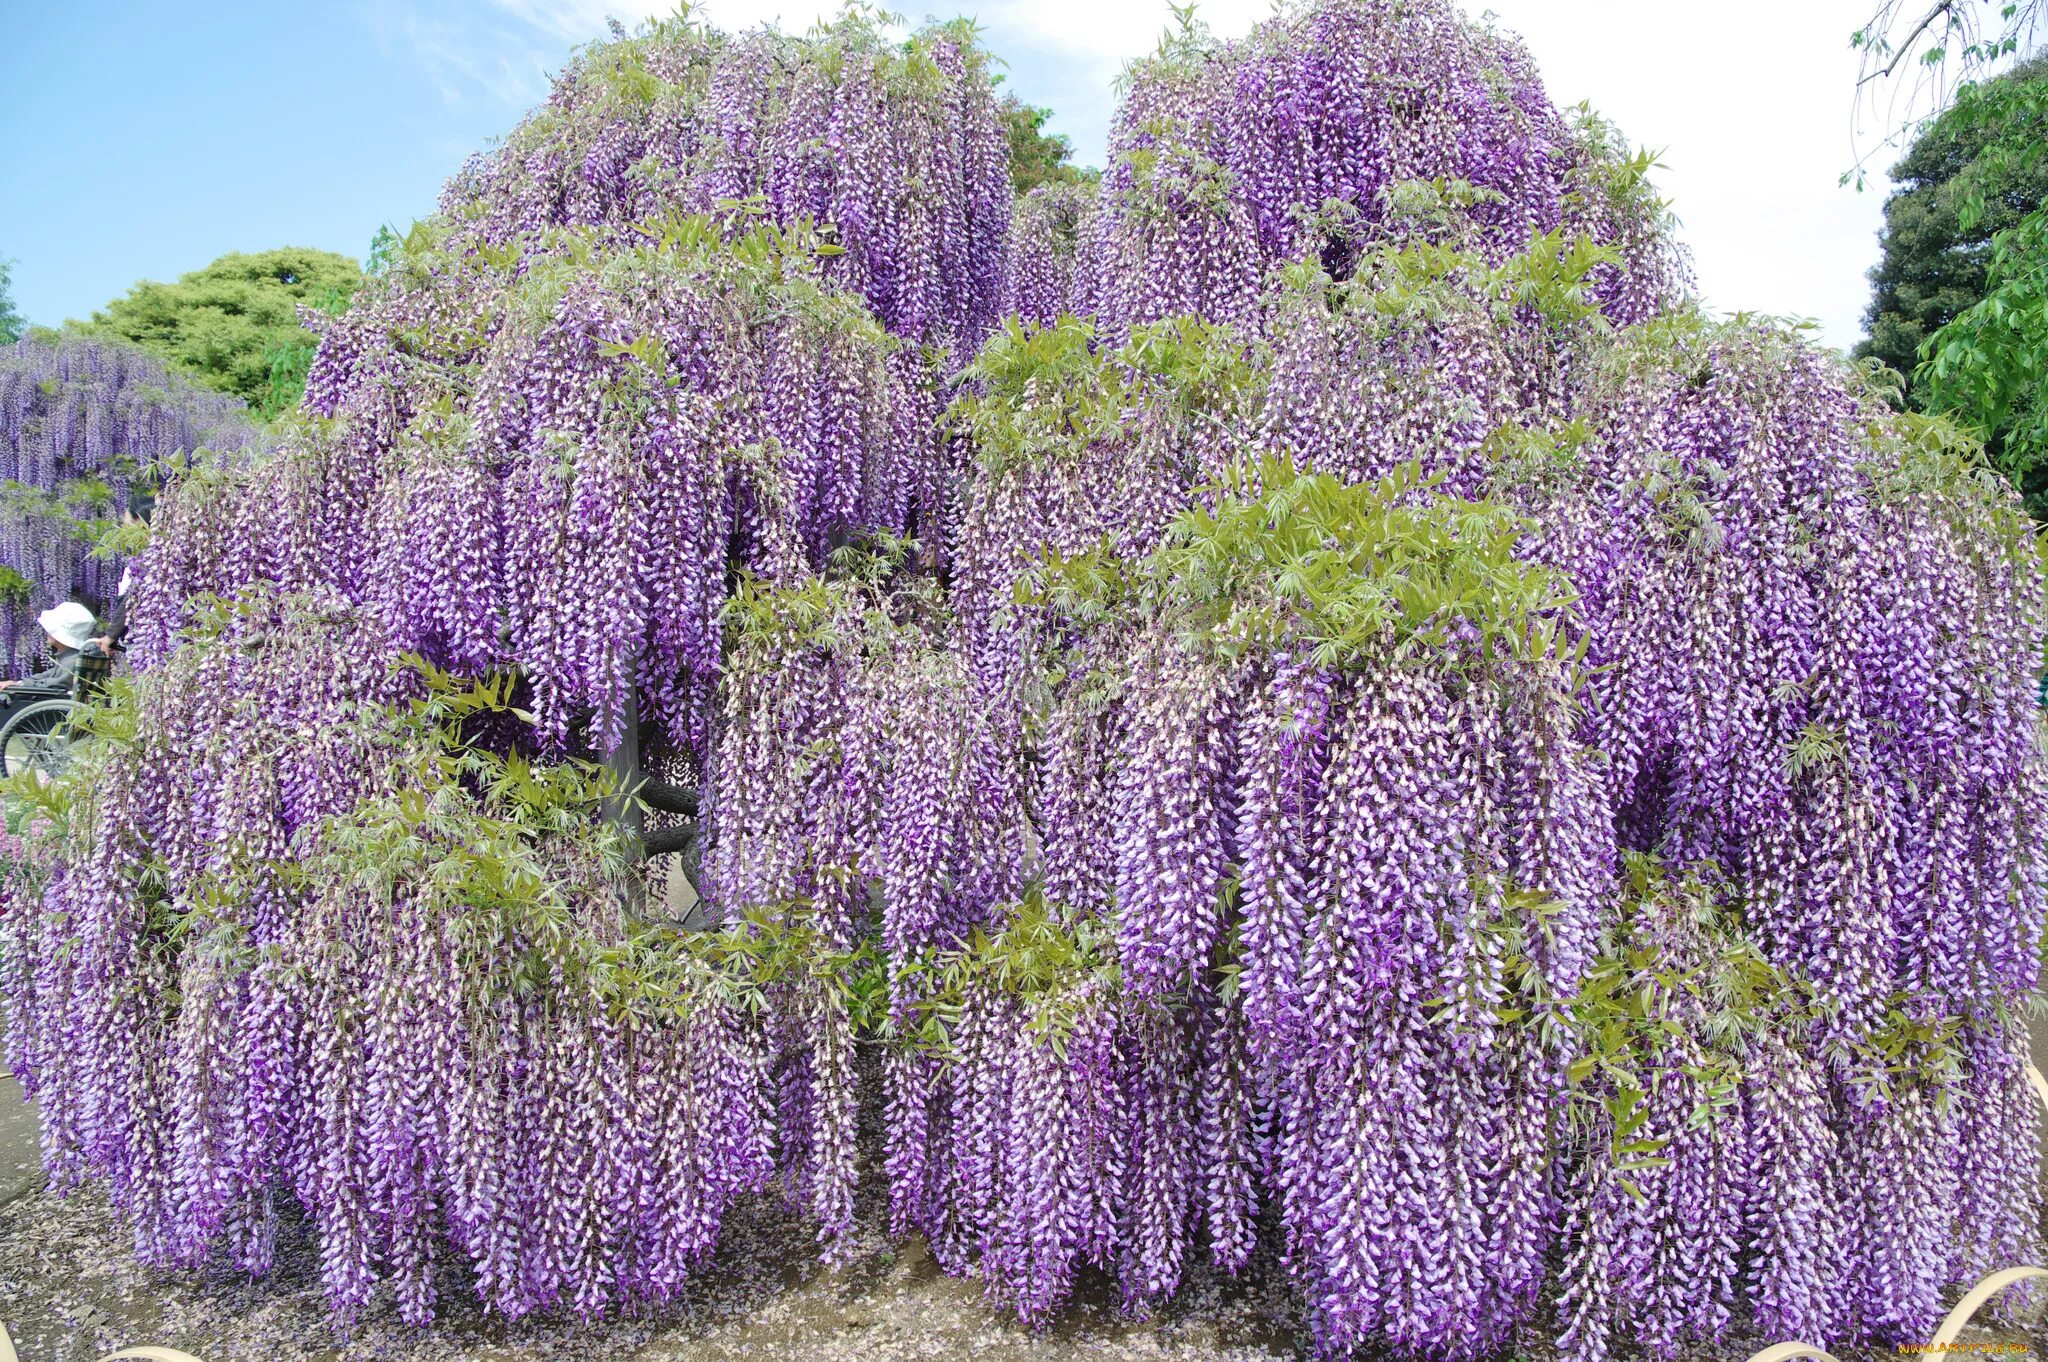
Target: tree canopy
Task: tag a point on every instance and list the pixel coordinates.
(1036, 156)
(12, 323)
(86, 424)
(234, 325)
(1933, 266)
(1960, 309)
(1988, 366)
(1914, 53)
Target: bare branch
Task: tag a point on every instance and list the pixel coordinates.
(1913, 61)
(1905, 47)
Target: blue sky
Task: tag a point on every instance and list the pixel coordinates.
(141, 140)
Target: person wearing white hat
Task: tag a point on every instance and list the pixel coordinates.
(70, 627)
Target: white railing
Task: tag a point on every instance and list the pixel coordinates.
(7, 1353)
(1958, 1319)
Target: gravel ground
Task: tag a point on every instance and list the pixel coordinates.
(69, 1292)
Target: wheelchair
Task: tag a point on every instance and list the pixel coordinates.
(36, 731)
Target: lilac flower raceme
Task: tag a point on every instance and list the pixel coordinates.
(900, 150)
(1297, 145)
(1044, 254)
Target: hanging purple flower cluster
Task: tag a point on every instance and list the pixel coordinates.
(1762, 579)
(617, 432)
(334, 1020)
(1294, 146)
(81, 422)
(204, 809)
(855, 749)
(1041, 266)
(898, 147)
(1046, 1125)
(1337, 766)
(1306, 700)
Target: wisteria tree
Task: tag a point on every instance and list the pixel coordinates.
(83, 423)
(1301, 704)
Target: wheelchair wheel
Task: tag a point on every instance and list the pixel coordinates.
(37, 738)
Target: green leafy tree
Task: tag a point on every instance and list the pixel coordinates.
(234, 325)
(1934, 266)
(1962, 294)
(1036, 156)
(12, 323)
(1988, 366)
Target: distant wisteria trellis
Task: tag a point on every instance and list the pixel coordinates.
(1299, 704)
(80, 421)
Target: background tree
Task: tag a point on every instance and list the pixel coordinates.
(234, 325)
(1036, 156)
(87, 425)
(12, 323)
(1933, 267)
(1962, 293)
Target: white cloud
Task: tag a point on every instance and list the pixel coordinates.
(465, 60)
(1108, 34)
(571, 21)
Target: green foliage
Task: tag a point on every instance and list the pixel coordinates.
(1678, 988)
(1615, 172)
(864, 604)
(1169, 176)
(1422, 277)
(1355, 568)
(1960, 303)
(778, 619)
(1958, 187)
(511, 854)
(1988, 366)
(759, 266)
(1816, 746)
(1035, 392)
(1935, 41)
(1047, 392)
(233, 325)
(1186, 45)
(383, 247)
(1536, 458)
(1036, 156)
(465, 829)
(13, 326)
(1051, 959)
(83, 507)
(286, 383)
